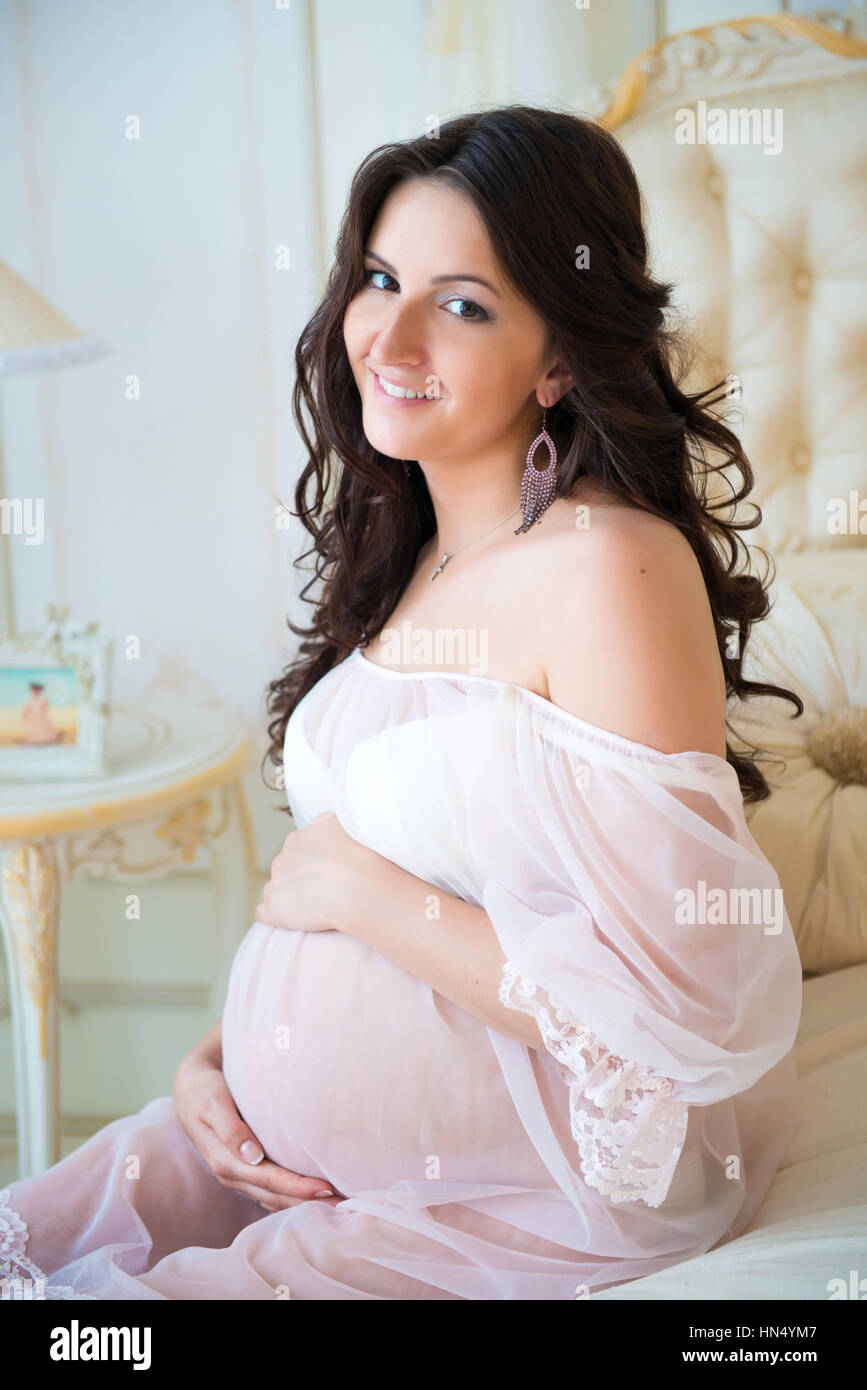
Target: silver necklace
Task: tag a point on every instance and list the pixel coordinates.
(450, 554)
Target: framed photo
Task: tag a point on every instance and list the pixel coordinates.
(54, 703)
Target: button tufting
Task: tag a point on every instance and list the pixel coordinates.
(715, 184)
(800, 459)
(802, 283)
(839, 745)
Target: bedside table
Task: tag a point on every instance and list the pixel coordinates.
(174, 794)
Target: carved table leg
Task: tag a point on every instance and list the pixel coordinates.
(29, 917)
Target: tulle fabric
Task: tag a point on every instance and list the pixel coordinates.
(644, 1130)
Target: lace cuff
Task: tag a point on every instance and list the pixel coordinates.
(20, 1278)
(628, 1129)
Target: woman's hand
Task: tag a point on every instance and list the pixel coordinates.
(313, 876)
(231, 1150)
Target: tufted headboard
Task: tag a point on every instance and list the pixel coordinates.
(767, 249)
(768, 253)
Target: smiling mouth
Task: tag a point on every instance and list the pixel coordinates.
(400, 395)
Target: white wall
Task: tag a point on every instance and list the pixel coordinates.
(160, 511)
(398, 62)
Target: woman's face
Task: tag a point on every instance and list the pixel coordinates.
(435, 316)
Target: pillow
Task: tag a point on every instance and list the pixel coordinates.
(813, 827)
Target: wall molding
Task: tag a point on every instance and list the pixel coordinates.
(76, 995)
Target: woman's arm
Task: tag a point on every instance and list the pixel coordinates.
(324, 880)
(638, 654)
(446, 942)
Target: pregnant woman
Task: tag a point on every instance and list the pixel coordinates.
(521, 994)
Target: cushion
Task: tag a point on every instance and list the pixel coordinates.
(813, 827)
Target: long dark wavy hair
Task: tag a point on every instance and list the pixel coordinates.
(542, 181)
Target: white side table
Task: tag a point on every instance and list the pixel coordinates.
(174, 792)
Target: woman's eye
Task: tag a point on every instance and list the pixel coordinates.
(478, 312)
(369, 274)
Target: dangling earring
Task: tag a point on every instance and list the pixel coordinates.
(537, 486)
(406, 467)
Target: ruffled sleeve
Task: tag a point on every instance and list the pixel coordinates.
(627, 1125)
(643, 930)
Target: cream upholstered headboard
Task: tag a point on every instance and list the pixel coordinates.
(768, 253)
(767, 250)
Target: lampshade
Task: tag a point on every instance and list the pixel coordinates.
(33, 335)
(33, 338)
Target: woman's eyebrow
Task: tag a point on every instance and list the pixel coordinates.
(436, 279)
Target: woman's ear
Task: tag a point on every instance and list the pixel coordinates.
(556, 384)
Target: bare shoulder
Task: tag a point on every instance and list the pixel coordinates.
(628, 633)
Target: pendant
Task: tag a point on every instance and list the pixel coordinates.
(441, 566)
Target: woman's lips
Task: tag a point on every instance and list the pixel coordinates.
(398, 400)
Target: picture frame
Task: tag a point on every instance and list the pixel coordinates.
(55, 702)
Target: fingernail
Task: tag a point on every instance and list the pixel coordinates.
(324, 1192)
(250, 1152)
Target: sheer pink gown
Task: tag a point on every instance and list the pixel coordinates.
(643, 930)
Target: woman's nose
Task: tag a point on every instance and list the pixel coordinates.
(399, 337)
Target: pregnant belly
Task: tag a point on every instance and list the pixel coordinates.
(347, 1067)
